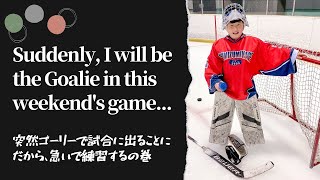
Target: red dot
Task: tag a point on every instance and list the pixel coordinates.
(56, 24)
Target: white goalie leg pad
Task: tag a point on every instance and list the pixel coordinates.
(236, 149)
(222, 118)
(250, 121)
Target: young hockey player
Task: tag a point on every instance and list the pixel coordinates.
(231, 65)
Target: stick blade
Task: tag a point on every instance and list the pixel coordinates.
(259, 170)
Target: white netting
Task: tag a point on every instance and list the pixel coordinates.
(306, 94)
(305, 84)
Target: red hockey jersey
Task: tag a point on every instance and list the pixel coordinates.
(236, 62)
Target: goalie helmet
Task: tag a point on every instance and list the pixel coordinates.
(232, 12)
(236, 149)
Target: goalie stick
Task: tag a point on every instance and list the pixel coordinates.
(231, 167)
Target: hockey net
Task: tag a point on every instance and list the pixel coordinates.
(297, 95)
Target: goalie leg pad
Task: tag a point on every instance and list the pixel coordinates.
(250, 121)
(222, 118)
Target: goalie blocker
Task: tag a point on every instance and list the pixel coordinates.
(235, 149)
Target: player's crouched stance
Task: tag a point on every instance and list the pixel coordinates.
(231, 65)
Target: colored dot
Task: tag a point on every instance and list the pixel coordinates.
(13, 23)
(56, 24)
(169, 108)
(34, 13)
(158, 108)
(163, 108)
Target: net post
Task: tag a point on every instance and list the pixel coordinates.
(292, 97)
(315, 147)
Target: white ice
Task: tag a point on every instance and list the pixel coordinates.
(286, 146)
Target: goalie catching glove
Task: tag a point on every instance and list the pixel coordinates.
(235, 149)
